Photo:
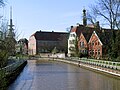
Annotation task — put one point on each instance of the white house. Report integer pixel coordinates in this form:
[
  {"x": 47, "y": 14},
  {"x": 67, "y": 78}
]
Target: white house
[{"x": 71, "y": 40}]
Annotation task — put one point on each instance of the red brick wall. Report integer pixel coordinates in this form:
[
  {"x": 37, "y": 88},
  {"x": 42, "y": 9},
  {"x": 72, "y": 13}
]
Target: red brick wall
[
  {"x": 82, "y": 40},
  {"x": 95, "y": 46}
]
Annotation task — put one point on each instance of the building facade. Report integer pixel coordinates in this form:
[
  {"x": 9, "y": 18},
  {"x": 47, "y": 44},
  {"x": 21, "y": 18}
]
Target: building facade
[
  {"x": 45, "y": 42},
  {"x": 94, "y": 42},
  {"x": 95, "y": 46},
  {"x": 22, "y": 46},
  {"x": 92, "y": 39}
]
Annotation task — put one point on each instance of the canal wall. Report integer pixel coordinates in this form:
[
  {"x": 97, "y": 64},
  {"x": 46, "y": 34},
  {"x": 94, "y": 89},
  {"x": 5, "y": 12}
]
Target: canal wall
[
  {"x": 110, "y": 71},
  {"x": 10, "y": 73}
]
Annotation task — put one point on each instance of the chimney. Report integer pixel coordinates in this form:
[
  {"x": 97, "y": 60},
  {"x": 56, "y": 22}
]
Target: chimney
[{"x": 97, "y": 25}]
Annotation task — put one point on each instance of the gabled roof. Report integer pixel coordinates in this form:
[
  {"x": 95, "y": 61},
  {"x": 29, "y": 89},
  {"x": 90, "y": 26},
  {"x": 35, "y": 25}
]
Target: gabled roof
[
  {"x": 24, "y": 40},
  {"x": 103, "y": 34},
  {"x": 86, "y": 31},
  {"x": 49, "y": 36},
  {"x": 73, "y": 29}
]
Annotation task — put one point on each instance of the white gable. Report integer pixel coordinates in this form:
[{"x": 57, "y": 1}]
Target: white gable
[{"x": 96, "y": 36}]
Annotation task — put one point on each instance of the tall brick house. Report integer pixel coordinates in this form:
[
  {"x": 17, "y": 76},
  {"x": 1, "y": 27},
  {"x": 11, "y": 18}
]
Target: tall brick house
[
  {"x": 83, "y": 33},
  {"x": 99, "y": 42},
  {"x": 92, "y": 39},
  {"x": 45, "y": 42},
  {"x": 95, "y": 46}
]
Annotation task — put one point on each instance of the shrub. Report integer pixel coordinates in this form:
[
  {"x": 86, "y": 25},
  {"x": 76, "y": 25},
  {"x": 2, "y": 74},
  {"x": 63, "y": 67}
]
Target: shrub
[{"x": 118, "y": 59}]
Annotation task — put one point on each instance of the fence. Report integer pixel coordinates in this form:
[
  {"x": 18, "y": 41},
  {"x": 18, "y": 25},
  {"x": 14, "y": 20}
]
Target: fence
[{"x": 101, "y": 63}]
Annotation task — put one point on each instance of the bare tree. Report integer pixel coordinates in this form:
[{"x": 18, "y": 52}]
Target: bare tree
[
  {"x": 108, "y": 10},
  {"x": 2, "y": 3}
]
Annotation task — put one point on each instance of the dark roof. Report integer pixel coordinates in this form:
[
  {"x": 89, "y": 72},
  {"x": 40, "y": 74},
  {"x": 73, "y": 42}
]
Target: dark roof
[
  {"x": 24, "y": 40},
  {"x": 104, "y": 35},
  {"x": 49, "y": 36},
  {"x": 86, "y": 31}
]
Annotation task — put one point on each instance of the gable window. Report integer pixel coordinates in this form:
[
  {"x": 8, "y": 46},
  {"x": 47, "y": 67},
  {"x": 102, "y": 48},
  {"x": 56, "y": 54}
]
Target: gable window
[
  {"x": 96, "y": 43},
  {"x": 92, "y": 43},
  {"x": 82, "y": 44}
]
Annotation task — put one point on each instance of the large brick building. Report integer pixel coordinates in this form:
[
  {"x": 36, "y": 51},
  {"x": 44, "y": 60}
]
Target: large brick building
[
  {"x": 45, "y": 42},
  {"x": 92, "y": 40}
]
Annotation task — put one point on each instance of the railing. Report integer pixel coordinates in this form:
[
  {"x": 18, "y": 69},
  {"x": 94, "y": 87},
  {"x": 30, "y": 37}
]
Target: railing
[{"x": 101, "y": 63}]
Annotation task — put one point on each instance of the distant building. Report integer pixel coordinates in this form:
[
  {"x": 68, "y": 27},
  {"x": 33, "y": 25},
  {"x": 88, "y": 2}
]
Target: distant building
[
  {"x": 45, "y": 42},
  {"x": 22, "y": 46}
]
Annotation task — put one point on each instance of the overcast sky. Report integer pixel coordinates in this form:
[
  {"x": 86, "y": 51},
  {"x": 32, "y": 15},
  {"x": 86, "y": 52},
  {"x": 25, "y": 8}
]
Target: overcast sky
[{"x": 30, "y": 16}]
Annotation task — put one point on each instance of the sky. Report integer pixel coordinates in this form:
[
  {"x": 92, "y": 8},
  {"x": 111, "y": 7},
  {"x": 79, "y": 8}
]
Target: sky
[{"x": 30, "y": 16}]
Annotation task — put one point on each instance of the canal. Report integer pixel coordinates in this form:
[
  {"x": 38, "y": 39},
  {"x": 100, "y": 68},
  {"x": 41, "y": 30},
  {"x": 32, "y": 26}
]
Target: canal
[{"x": 52, "y": 75}]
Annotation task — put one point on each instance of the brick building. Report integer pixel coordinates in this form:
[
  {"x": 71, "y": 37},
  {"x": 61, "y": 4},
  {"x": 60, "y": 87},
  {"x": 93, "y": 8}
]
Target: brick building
[
  {"x": 45, "y": 42},
  {"x": 92, "y": 39}
]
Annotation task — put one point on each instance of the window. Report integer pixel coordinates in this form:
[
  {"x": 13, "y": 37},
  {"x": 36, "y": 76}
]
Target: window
[
  {"x": 98, "y": 43},
  {"x": 98, "y": 51},
  {"x": 72, "y": 35},
  {"x": 82, "y": 44},
  {"x": 71, "y": 41},
  {"x": 90, "y": 51}
]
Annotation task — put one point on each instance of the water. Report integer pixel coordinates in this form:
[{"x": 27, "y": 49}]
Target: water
[{"x": 48, "y": 75}]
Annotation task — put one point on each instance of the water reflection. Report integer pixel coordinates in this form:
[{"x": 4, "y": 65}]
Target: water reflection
[{"x": 48, "y": 75}]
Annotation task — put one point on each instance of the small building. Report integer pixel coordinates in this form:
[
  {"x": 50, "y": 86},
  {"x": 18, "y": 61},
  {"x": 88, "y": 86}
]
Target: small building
[
  {"x": 22, "y": 46},
  {"x": 45, "y": 42}
]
